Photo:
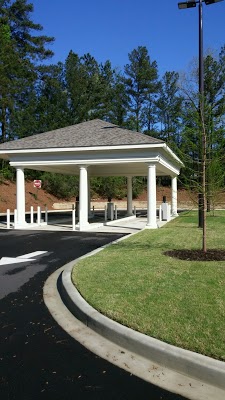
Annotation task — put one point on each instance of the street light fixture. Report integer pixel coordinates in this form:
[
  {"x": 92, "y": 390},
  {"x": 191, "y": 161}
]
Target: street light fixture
[
  {"x": 207, "y": 2},
  {"x": 190, "y": 4},
  {"x": 186, "y": 4}
]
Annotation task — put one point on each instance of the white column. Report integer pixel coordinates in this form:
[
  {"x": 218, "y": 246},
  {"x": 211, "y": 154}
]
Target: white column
[
  {"x": 83, "y": 198},
  {"x": 89, "y": 197},
  {"x": 151, "y": 221},
  {"x": 129, "y": 195},
  {"x": 174, "y": 197},
  {"x": 20, "y": 197}
]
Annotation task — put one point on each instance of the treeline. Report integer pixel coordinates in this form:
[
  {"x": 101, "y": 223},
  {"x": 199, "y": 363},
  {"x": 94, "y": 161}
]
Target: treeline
[{"x": 36, "y": 97}]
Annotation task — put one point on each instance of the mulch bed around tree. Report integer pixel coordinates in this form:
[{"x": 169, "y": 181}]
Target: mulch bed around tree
[{"x": 197, "y": 255}]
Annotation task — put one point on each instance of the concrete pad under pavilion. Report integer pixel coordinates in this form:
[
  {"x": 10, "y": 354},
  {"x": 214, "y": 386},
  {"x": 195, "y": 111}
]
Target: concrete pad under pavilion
[{"x": 94, "y": 149}]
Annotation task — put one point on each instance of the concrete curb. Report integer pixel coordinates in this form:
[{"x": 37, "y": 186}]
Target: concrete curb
[{"x": 193, "y": 365}]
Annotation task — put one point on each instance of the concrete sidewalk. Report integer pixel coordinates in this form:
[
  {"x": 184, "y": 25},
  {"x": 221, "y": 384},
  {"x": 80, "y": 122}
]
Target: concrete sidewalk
[{"x": 123, "y": 225}]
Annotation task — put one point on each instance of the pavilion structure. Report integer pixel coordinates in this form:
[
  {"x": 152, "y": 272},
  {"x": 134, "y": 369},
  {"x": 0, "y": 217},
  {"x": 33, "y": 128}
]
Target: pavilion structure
[{"x": 94, "y": 149}]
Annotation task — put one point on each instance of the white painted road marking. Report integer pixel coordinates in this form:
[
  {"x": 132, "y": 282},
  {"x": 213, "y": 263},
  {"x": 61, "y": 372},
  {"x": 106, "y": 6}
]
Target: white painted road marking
[
  {"x": 20, "y": 259},
  {"x": 34, "y": 254}
]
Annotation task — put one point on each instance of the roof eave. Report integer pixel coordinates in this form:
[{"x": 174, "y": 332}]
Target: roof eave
[{"x": 80, "y": 149}]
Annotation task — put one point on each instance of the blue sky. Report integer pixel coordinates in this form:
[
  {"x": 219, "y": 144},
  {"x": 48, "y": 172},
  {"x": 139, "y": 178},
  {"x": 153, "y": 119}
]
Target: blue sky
[{"x": 110, "y": 29}]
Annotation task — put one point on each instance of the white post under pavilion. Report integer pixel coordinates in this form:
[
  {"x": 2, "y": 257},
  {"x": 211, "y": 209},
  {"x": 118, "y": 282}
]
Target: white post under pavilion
[
  {"x": 151, "y": 220},
  {"x": 20, "y": 197},
  {"x": 83, "y": 198},
  {"x": 129, "y": 195},
  {"x": 174, "y": 197}
]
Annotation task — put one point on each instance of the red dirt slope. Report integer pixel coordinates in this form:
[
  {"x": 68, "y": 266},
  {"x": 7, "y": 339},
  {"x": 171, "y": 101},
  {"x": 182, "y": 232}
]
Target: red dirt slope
[{"x": 38, "y": 197}]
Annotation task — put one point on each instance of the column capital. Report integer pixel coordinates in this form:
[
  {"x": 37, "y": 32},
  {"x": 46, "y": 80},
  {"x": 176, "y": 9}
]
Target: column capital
[
  {"x": 19, "y": 167},
  {"x": 83, "y": 166}
]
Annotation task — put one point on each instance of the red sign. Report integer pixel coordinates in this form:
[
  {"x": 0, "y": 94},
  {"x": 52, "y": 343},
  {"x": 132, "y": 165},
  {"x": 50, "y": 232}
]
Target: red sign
[{"x": 37, "y": 183}]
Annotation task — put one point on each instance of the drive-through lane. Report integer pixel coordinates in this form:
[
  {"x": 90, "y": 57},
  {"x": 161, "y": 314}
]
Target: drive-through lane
[{"x": 38, "y": 359}]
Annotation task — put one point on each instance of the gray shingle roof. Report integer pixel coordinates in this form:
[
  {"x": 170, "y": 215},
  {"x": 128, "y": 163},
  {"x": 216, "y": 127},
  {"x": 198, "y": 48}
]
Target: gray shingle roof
[{"x": 86, "y": 134}]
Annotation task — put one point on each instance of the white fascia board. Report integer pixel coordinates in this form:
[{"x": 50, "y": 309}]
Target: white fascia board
[
  {"x": 22, "y": 163},
  {"x": 169, "y": 151},
  {"x": 173, "y": 169},
  {"x": 163, "y": 146},
  {"x": 82, "y": 149}
]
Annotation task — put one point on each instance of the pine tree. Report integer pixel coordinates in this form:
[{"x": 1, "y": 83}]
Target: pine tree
[
  {"x": 20, "y": 52},
  {"x": 140, "y": 78},
  {"x": 169, "y": 105}
]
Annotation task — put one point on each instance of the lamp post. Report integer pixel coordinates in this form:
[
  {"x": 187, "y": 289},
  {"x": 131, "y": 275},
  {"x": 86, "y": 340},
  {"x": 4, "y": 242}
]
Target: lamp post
[{"x": 201, "y": 198}]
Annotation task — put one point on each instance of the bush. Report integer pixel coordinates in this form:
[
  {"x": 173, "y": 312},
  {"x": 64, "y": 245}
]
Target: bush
[{"x": 61, "y": 186}]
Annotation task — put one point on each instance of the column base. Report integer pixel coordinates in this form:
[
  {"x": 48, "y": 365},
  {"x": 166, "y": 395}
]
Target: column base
[
  {"x": 151, "y": 226},
  {"x": 20, "y": 225},
  {"x": 82, "y": 227},
  {"x": 129, "y": 214}
]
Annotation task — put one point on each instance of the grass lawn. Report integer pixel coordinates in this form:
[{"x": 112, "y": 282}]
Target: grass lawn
[{"x": 179, "y": 302}]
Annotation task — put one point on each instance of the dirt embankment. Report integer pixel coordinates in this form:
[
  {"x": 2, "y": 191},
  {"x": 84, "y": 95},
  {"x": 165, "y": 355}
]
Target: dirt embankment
[
  {"x": 34, "y": 197},
  {"x": 38, "y": 197}
]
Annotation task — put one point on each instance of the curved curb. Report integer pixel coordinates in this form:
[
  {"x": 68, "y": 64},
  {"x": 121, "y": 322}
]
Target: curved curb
[{"x": 194, "y": 365}]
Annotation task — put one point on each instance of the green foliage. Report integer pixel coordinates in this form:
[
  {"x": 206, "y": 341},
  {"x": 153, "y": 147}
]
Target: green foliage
[
  {"x": 7, "y": 173},
  {"x": 116, "y": 187},
  {"x": 141, "y": 81},
  {"x": 169, "y": 106},
  {"x": 139, "y": 185},
  {"x": 89, "y": 87},
  {"x": 61, "y": 186},
  {"x": 20, "y": 51},
  {"x": 109, "y": 187}
]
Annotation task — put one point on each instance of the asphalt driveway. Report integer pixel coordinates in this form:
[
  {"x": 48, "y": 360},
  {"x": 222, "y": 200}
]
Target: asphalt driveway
[{"x": 38, "y": 360}]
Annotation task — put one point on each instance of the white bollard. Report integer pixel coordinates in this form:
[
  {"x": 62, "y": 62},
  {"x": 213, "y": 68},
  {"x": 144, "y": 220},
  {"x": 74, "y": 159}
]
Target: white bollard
[
  {"x": 135, "y": 211},
  {"x": 31, "y": 214},
  {"x": 15, "y": 217},
  {"x": 8, "y": 218},
  {"x": 39, "y": 215},
  {"x": 115, "y": 212},
  {"x": 169, "y": 212},
  {"x": 160, "y": 213},
  {"x": 46, "y": 215},
  {"x": 73, "y": 219},
  {"x": 105, "y": 213}
]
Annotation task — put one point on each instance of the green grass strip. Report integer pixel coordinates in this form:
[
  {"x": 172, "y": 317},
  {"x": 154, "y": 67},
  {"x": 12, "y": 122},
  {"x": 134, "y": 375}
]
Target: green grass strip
[{"x": 178, "y": 302}]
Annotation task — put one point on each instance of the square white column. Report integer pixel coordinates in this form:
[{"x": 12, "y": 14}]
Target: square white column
[
  {"x": 83, "y": 198},
  {"x": 20, "y": 197},
  {"x": 151, "y": 220},
  {"x": 129, "y": 195},
  {"x": 174, "y": 197}
]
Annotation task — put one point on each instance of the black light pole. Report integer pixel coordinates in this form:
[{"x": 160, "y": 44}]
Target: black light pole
[
  {"x": 201, "y": 198},
  {"x": 190, "y": 4}
]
